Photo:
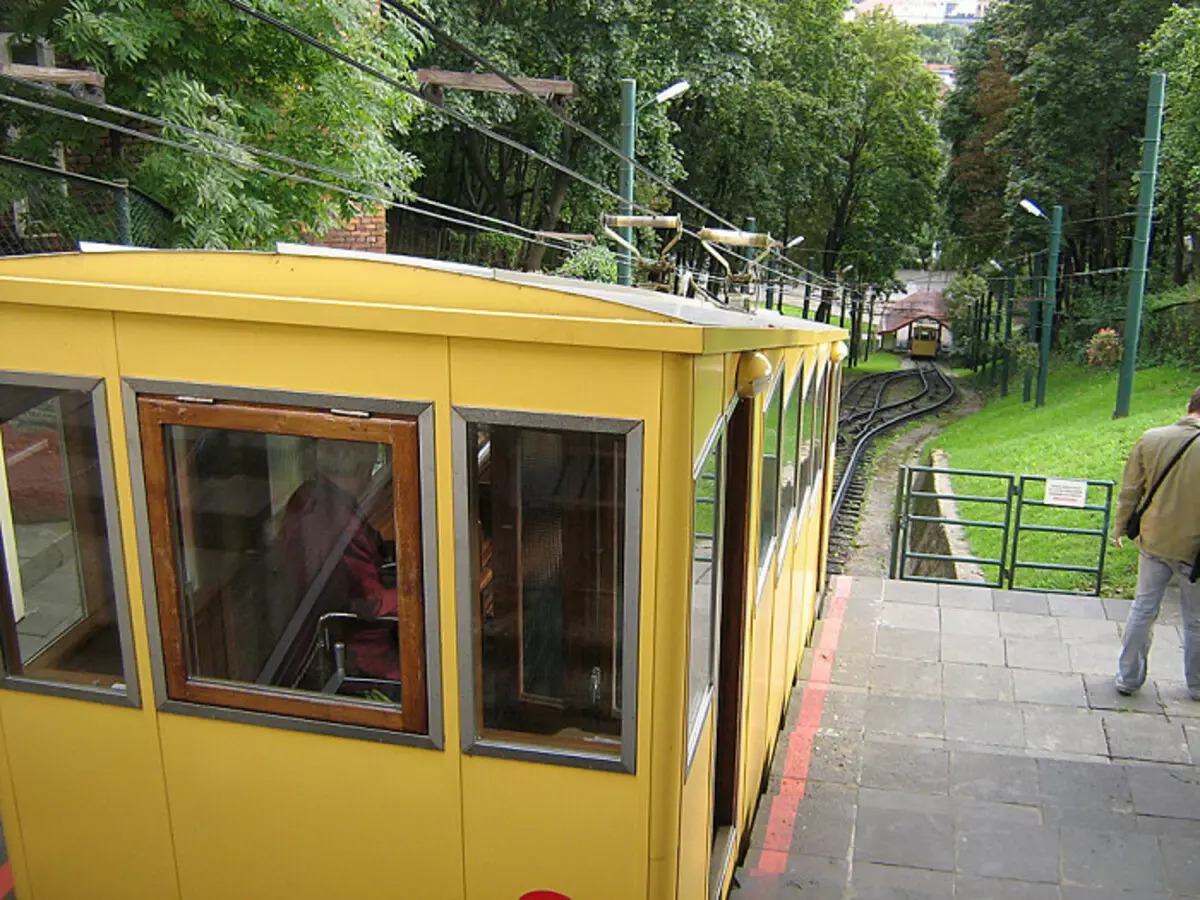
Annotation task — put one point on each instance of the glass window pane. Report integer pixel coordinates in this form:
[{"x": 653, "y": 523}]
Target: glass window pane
[
  {"x": 706, "y": 586},
  {"x": 61, "y": 624},
  {"x": 806, "y": 440},
  {"x": 789, "y": 473},
  {"x": 286, "y": 560},
  {"x": 769, "y": 510},
  {"x": 820, "y": 438},
  {"x": 548, "y": 516}
]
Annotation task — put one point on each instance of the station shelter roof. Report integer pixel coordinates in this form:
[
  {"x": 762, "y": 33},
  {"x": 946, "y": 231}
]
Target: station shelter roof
[
  {"x": 308, "y": 285},
  {"x": 915, "y": 307}
]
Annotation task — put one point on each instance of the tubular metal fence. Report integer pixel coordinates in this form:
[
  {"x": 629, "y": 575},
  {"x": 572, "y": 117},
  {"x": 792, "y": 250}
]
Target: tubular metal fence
[{"x": 46, "y": 210}]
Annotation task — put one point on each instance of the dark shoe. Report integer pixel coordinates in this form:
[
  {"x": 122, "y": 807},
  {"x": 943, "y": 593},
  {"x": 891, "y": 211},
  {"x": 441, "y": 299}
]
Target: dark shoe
[{"x": 1122, "y": 689}]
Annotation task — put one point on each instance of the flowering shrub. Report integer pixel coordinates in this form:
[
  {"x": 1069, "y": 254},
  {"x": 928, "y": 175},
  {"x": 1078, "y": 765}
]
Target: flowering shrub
[{"x": 1104, "y": 348}]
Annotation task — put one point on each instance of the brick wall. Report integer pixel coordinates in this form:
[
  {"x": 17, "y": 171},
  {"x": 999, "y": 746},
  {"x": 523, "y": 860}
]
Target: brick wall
[{"x": 364, "y": 232}]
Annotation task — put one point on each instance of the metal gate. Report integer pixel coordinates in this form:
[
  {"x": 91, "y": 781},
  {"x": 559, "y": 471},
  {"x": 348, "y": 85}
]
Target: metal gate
[{"x": 1005, "y": 506}]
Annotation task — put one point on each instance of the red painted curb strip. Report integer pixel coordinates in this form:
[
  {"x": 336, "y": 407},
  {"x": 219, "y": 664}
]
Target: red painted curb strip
[
  {"x": 6, "y": 881},
  {"x": 781, "y": 821}
]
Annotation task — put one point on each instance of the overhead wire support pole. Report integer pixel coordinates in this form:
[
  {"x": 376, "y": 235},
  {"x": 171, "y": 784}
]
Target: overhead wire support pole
[
  {"x": 628, "y": 146},
  {"x": 1141, "y": 242},
  {"x": 1056, "y": 222}
]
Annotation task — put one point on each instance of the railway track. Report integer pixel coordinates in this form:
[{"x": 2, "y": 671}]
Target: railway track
[{"x": 872, "y": 406}]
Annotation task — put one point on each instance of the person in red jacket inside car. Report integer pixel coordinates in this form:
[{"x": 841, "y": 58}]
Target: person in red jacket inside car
[{"x": 326, "y": 534}]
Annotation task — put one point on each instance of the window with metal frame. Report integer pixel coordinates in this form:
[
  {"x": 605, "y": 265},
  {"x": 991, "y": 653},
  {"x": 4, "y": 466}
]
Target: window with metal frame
[
  {"x": 64, "y": 621},
  {"x": 820, "y": 436},
  {"x": 768, "y": 522},
  {"x": 791, "y": 490},
  {"x": 288, "y": 559},
  {"x": 549, "y": 519},
  {"x": 808, "y": 437},
  {"x": 707, "y": 520}
]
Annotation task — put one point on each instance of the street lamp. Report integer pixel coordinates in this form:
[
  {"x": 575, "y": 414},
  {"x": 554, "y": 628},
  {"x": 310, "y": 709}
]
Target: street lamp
[
  {"x": 1056, "y": 222},
  {"x": 794, "y": 242},
  {"x": 629, "y": 111}
]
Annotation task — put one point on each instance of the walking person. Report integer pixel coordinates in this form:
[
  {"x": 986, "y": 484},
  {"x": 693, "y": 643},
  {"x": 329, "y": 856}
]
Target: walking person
[{"x": 1159, "y": 507}]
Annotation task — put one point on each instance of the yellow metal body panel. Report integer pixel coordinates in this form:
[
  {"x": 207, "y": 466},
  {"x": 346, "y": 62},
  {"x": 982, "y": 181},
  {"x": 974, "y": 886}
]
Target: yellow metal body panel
[
  {"x": 150, "y": 804},
  {"x": 530, "y": 826},
  {"x": 87, "y": 814},
  {"x": 695, "y": 819}
]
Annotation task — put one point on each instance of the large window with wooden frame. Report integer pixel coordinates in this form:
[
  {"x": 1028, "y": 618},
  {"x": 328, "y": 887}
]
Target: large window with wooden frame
[
  {"x": 288, "y": 559},
  {"x": 768, "y": 522},
  {"x": 707, "y": 521},
  {"x": 552, "y": 507},
  {"x": 63, "y": 617}
]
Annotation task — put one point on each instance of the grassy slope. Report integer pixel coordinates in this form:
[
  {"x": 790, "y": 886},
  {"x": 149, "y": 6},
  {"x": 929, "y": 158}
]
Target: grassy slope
[
  {"x": 1073, "y": 436},
  {"x": 880, "y": 361}
]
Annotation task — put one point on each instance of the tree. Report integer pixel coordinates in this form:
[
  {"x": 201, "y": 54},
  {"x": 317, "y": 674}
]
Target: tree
[{"x": 203, "y": 64}]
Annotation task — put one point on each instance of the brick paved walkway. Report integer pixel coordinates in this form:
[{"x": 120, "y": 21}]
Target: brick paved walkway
[{"x": 969, "y": 743}]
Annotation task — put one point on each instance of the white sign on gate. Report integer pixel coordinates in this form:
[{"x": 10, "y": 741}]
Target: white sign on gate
[{"x": 1066, "y": 492}]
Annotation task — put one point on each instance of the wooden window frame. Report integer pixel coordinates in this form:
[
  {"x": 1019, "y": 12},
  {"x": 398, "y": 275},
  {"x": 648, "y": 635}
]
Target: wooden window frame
[{"x": 400, "y": 433}]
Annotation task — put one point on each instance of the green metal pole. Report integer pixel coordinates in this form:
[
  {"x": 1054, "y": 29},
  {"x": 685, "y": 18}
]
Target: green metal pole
[
  {"x": 1056, "y": 221},
  {"x": 625, "y": 187},
  {"x": 1141, "y": 242},
  {"x": 1009, "y": 290}
]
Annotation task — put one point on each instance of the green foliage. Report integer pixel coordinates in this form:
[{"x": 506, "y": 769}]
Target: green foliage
[
  {"x": 205, "y": 65},
  {"x": 1024, "y": 356},
  {"x": 1075, "y": 436},
  {"x": 942, "y": 43},
  {"x": 880, "y": 361},
  {"x": 591, "y": 264},
  {"x": 962, "y": 297}
]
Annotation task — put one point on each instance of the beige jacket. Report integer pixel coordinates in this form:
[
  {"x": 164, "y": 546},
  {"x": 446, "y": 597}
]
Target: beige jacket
[{"x": 1171, "y": 526}]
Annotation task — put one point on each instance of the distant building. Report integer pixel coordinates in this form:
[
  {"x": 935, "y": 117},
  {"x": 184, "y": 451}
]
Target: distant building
[
  {"x": 925, "y": 12},
  {"x": 945, "y": 74}
]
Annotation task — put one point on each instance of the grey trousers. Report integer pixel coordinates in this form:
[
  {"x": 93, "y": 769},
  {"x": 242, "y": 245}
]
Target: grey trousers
[{"x": 1154, "y": 574}]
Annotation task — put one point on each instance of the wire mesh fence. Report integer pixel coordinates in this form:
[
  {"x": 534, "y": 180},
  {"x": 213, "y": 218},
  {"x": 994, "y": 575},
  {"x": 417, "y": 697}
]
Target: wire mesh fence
[{"x": 45, "y": 210}]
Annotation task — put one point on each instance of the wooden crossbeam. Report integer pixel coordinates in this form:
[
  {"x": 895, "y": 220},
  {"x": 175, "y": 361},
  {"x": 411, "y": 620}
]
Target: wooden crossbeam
[
  {"x": 51, "y": 74},
  {"x": 568, "y": 236},
  {"x": 494, "y": 84}
]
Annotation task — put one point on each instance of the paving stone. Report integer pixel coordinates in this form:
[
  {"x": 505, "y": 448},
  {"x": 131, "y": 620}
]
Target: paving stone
[
  {"x": 970, "y": 813},
  {"x": 905, "y": 801},
  {"x": 1116, "y": 608},
  {"x": 906, "y": 677},
  {"x": 1183, "y": 828},
  {"x": 1080, "y": 892},
  {"x": 971, "y": 682},
  {"x": 875, "y": 881},
  {"x": 835, "y": 758},
  {"x": 984, "y": 722},
  {"x": 905, "y": 838},
  {"x": 844, "y": 711},
  {"x": 813, "y": 876},
  {"x": 1047, "y": 656},
  {"x": 1093, "y": 819},
  {"x": 954, "y": 596},
  {"x": 1182, "y": 858},
  {"x": 1005, "y": 850},
  {"x": 961, "y": 648},
  {"x": 823, "y": 827},
  {"x": 1097, "y": 631},
  {"x": 1102, "y": 694},
  {"x": 1095, "y": 786},
  {"x": 901, "y": 768},
  {"x": 993, "y": 777},
  {"x": 1048, "y": 688},
  {"x": 1172, "y": 791},
  {"x": 1056, "y": 729},
  {"x": 907, "y": 643},
  {"x": 853, "y": 669},
  {"x": 1025, "y": 625},
  {"x": 1078, "y": 607},
  {"x": 856, "y": 637},
  {"x": 976, "y": 622},
  {"x": 971, "y": 887},
  {"x": 909, "y": 616},
  {"x": 866, "y": 586},
  {"x": 914, "y": 592},
  {"x": 1111, "y": 859},
  {"x": 1020, "y": 602},
  {"x": 1177, "y": 701},
  {"x": 1142, "y": 736},
  {"x": 1089, "y": 658},
  {"x": 1192, "y": 733},
  {"x": 912, "y": 716}
]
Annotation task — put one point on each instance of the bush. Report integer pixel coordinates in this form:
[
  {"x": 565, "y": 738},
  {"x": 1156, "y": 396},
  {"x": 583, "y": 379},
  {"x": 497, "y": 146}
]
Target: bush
[
  {"x": 591, "y": 264},
  {"x": 1104, "y": 348}
]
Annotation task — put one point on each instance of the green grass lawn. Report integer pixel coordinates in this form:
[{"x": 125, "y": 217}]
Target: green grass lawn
[
  {"x": 1072, "y": 436},
  {"x": 880, "y": 361}
]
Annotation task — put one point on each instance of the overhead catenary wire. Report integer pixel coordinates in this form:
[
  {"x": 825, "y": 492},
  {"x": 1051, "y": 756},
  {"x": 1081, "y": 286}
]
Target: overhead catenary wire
[
  {"x": 464, "y": 119},
  {"x": 405, "y": 194},
  {"x": 266, "y": 170}
]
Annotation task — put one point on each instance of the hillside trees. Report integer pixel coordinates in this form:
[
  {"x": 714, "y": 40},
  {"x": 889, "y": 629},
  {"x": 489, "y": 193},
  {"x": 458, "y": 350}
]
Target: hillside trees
[{"x": 203, "y": 64}]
